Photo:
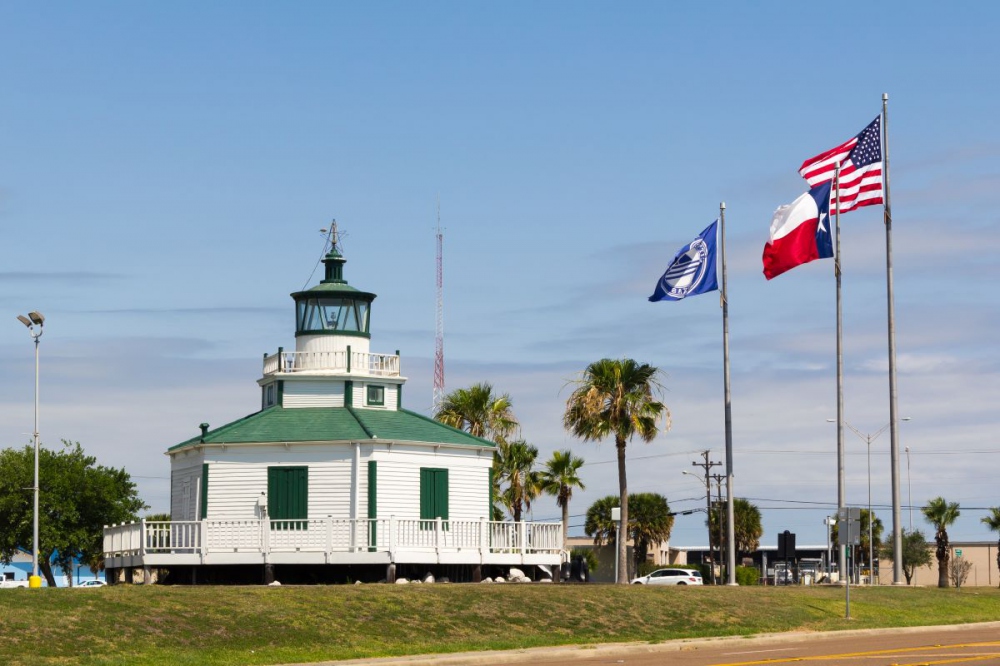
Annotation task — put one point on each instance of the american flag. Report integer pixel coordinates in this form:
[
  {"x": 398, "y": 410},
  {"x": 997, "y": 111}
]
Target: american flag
[{"x": 860, "y": 169}]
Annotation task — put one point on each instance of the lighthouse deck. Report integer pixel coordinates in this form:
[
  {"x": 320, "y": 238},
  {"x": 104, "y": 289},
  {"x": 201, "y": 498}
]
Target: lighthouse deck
[
  {"x": 340, "y": 361},
  {"x": 331, "y": 541}
]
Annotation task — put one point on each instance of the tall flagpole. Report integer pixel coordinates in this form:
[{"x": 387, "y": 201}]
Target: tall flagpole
[
  {"x": 841, "y": 482},
  {"x": 897, "y": 534},
  {"x": 730, "y": 512}
]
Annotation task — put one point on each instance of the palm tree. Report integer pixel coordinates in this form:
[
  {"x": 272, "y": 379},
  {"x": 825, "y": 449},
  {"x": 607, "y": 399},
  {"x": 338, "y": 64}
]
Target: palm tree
[
  {"x": 515, "y": 464},
  {"x": 616, "y": 398},
  {"x": 747, "y": 526},
  {"x": 599, "y": 524},
  {"x": 941, "y": 514},
  {"x": 560, "y": 476},
  {"x": 649, "y": 524},
  {"x": 480, "y": 412},
  {"x": 992, "y": 521}
]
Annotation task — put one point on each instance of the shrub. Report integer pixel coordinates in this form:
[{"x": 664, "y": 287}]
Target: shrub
[{"x": 747, "y": 576}]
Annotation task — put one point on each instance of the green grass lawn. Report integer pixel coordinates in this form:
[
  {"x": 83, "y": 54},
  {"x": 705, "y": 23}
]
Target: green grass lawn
[{"x": 268, "y": 625}]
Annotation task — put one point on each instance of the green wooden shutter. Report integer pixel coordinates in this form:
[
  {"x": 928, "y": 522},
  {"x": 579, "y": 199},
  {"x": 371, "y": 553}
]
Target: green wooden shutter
[
  {"x": 288, "y": 495},
  {"x": 433, "y": 495},
  {"x": 204, "y": 492},
  {"x": 372, "y": 504}
]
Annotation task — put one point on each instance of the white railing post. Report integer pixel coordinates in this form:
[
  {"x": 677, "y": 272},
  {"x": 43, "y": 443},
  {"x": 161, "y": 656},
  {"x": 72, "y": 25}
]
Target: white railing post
[
  {"x": 142, "y": 539},
  {"x": 329, "y": 535},
  {"x": 392, "y": 538},
  {"x": 203, "y": 534},
  {"x": 523, "y": 536},
  {"x": 438, "y": 536},
  {"x": 484, "y": 538}
]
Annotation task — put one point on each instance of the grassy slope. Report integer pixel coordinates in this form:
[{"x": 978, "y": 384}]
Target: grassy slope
[{"x": 259, "y": 625}]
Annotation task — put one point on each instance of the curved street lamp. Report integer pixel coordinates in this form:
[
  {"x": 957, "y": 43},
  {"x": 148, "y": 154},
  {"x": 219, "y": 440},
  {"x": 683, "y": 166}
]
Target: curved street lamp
[
  {"x": 33, "y": 320},
  {"x": 869, "y": 438}
]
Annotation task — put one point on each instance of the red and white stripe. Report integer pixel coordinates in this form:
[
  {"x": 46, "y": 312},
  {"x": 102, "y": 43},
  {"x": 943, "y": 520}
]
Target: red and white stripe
[{"x": 858, "y": 187}]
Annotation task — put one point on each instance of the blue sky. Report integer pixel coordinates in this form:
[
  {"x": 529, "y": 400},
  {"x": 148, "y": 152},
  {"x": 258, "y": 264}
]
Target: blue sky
[{"x": 165, "y": 169}]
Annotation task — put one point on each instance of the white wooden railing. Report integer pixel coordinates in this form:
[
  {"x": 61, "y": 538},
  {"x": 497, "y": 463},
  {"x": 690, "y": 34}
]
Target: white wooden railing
[
  {"x": 331, "y": 536},
  {"x": 381, "y": 365}
]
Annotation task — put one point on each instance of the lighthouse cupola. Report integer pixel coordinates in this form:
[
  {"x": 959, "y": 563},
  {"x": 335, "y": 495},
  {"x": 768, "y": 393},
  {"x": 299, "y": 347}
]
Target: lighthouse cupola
[{"x": 332, "y": 315}]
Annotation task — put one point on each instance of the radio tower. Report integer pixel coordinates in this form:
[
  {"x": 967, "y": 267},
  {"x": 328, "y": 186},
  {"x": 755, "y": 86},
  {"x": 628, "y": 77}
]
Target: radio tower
[{"x": 439, "y": 329}]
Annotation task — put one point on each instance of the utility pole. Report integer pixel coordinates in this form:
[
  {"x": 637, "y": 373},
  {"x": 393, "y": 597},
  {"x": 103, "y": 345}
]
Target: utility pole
[
  {"x": 719, "y": 478},
  {"x": 707, "y": 466}
]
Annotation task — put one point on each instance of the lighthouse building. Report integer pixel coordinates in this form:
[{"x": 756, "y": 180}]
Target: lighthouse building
[{"x": 332, "y": 479}]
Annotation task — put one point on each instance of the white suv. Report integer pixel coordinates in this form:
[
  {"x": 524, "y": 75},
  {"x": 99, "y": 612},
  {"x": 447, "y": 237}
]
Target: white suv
[{"x": 670, "y": 577}]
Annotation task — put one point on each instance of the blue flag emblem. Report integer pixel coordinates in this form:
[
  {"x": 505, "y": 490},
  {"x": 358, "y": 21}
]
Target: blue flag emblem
[{"x": 692, "y": 270}]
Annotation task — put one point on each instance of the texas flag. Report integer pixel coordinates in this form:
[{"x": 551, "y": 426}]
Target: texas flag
[{"x": 800, "y": 232}]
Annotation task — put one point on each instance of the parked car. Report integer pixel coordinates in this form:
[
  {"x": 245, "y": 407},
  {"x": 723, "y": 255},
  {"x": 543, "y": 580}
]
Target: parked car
[
  {"x": 670, "y": 577},
  {"x": 96, "y": 582},
  {"x": 10, "y": 582}
]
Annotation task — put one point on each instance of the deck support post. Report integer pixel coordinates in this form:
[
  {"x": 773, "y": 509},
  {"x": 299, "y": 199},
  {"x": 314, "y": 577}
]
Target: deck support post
[
  {"x": 477, "y": 573},
  {"x": 390, "y": 573},
  {"x": 147, "y": 576},
  {"x": 268, "y": 574}
]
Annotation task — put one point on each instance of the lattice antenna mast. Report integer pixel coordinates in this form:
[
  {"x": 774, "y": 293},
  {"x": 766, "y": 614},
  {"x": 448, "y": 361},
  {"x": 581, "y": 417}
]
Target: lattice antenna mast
[{"x": 439, "y": 328}]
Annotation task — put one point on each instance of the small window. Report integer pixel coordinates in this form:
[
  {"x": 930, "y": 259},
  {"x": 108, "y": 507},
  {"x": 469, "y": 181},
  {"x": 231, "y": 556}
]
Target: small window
[
  {"x": 376, "y": 395},
  {"x": 269, "y": 395}
]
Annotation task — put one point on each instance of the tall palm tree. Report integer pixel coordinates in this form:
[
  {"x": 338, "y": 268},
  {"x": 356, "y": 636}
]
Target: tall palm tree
[
  {"x": 480, "y": 412},
  {"x": 617, "y": 398},
  {"x": 992, "y": 521},
  {"x": 560, "y": 476},
  {"x": 515, "y": 465},
  {"x": 941, "y": 514}
]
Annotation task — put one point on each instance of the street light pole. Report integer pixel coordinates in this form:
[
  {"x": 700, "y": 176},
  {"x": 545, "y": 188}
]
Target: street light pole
[
  {"x": 34, "y": 319},
  {"x": 869, "y": 438},
  {"x": 909, "y": 494}
]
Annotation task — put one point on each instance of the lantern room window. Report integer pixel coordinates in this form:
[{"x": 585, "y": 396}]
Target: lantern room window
[{"x": 328, "y": 315}]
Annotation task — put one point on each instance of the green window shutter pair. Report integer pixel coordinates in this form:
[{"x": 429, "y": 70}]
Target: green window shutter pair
[
  {"x": 433, "y": 494},
  {"x": 288, "y": 495}
]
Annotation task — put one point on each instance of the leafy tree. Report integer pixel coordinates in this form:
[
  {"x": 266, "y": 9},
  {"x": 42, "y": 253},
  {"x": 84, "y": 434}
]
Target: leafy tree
[
  {"x": 649, "y": 524},
  {"x": 617, "y": 398},
  {"x": 747, "y": 525},
  {"x": 941, "y": 515},
  {"x": 958, "y": 571},
  {"x": 916, "y": 554},
  {"x": 992, "y": 521},
  {"x": 77, "y": 498},
  {"x": 514, "y": 465},
  {"x": 560, "y": 476}
]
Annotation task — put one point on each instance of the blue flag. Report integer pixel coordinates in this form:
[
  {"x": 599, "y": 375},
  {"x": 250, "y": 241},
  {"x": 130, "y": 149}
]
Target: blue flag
[{"x": 692, "y": 270}]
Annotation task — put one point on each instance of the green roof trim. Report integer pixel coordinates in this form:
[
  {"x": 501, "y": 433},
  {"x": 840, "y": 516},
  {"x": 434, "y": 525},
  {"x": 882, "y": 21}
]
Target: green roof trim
[{"x": 319, "y": 424}]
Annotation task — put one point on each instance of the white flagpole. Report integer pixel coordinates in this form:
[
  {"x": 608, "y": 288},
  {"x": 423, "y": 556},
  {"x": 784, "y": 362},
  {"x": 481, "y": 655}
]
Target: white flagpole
[
  {"x": 897, "y": 534},
  {"x": 730, "y": 510},
  {"x": 841, "y": 481}
]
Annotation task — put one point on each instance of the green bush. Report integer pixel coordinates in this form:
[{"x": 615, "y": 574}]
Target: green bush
[
  {"x": 747, "y": 576},
  {"x": 589, "y": 556}
]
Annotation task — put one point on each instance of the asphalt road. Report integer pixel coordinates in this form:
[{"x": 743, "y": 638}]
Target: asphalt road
[{"x": 924, "y": 646}]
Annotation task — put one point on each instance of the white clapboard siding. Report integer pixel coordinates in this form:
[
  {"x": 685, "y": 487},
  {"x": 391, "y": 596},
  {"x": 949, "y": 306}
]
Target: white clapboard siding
[
  {"x": 398, "y": 481},
  {"x": 313, "y": 394},
  {"x": 238, "y": 476},
  {"x": 185, "y": 478}
]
